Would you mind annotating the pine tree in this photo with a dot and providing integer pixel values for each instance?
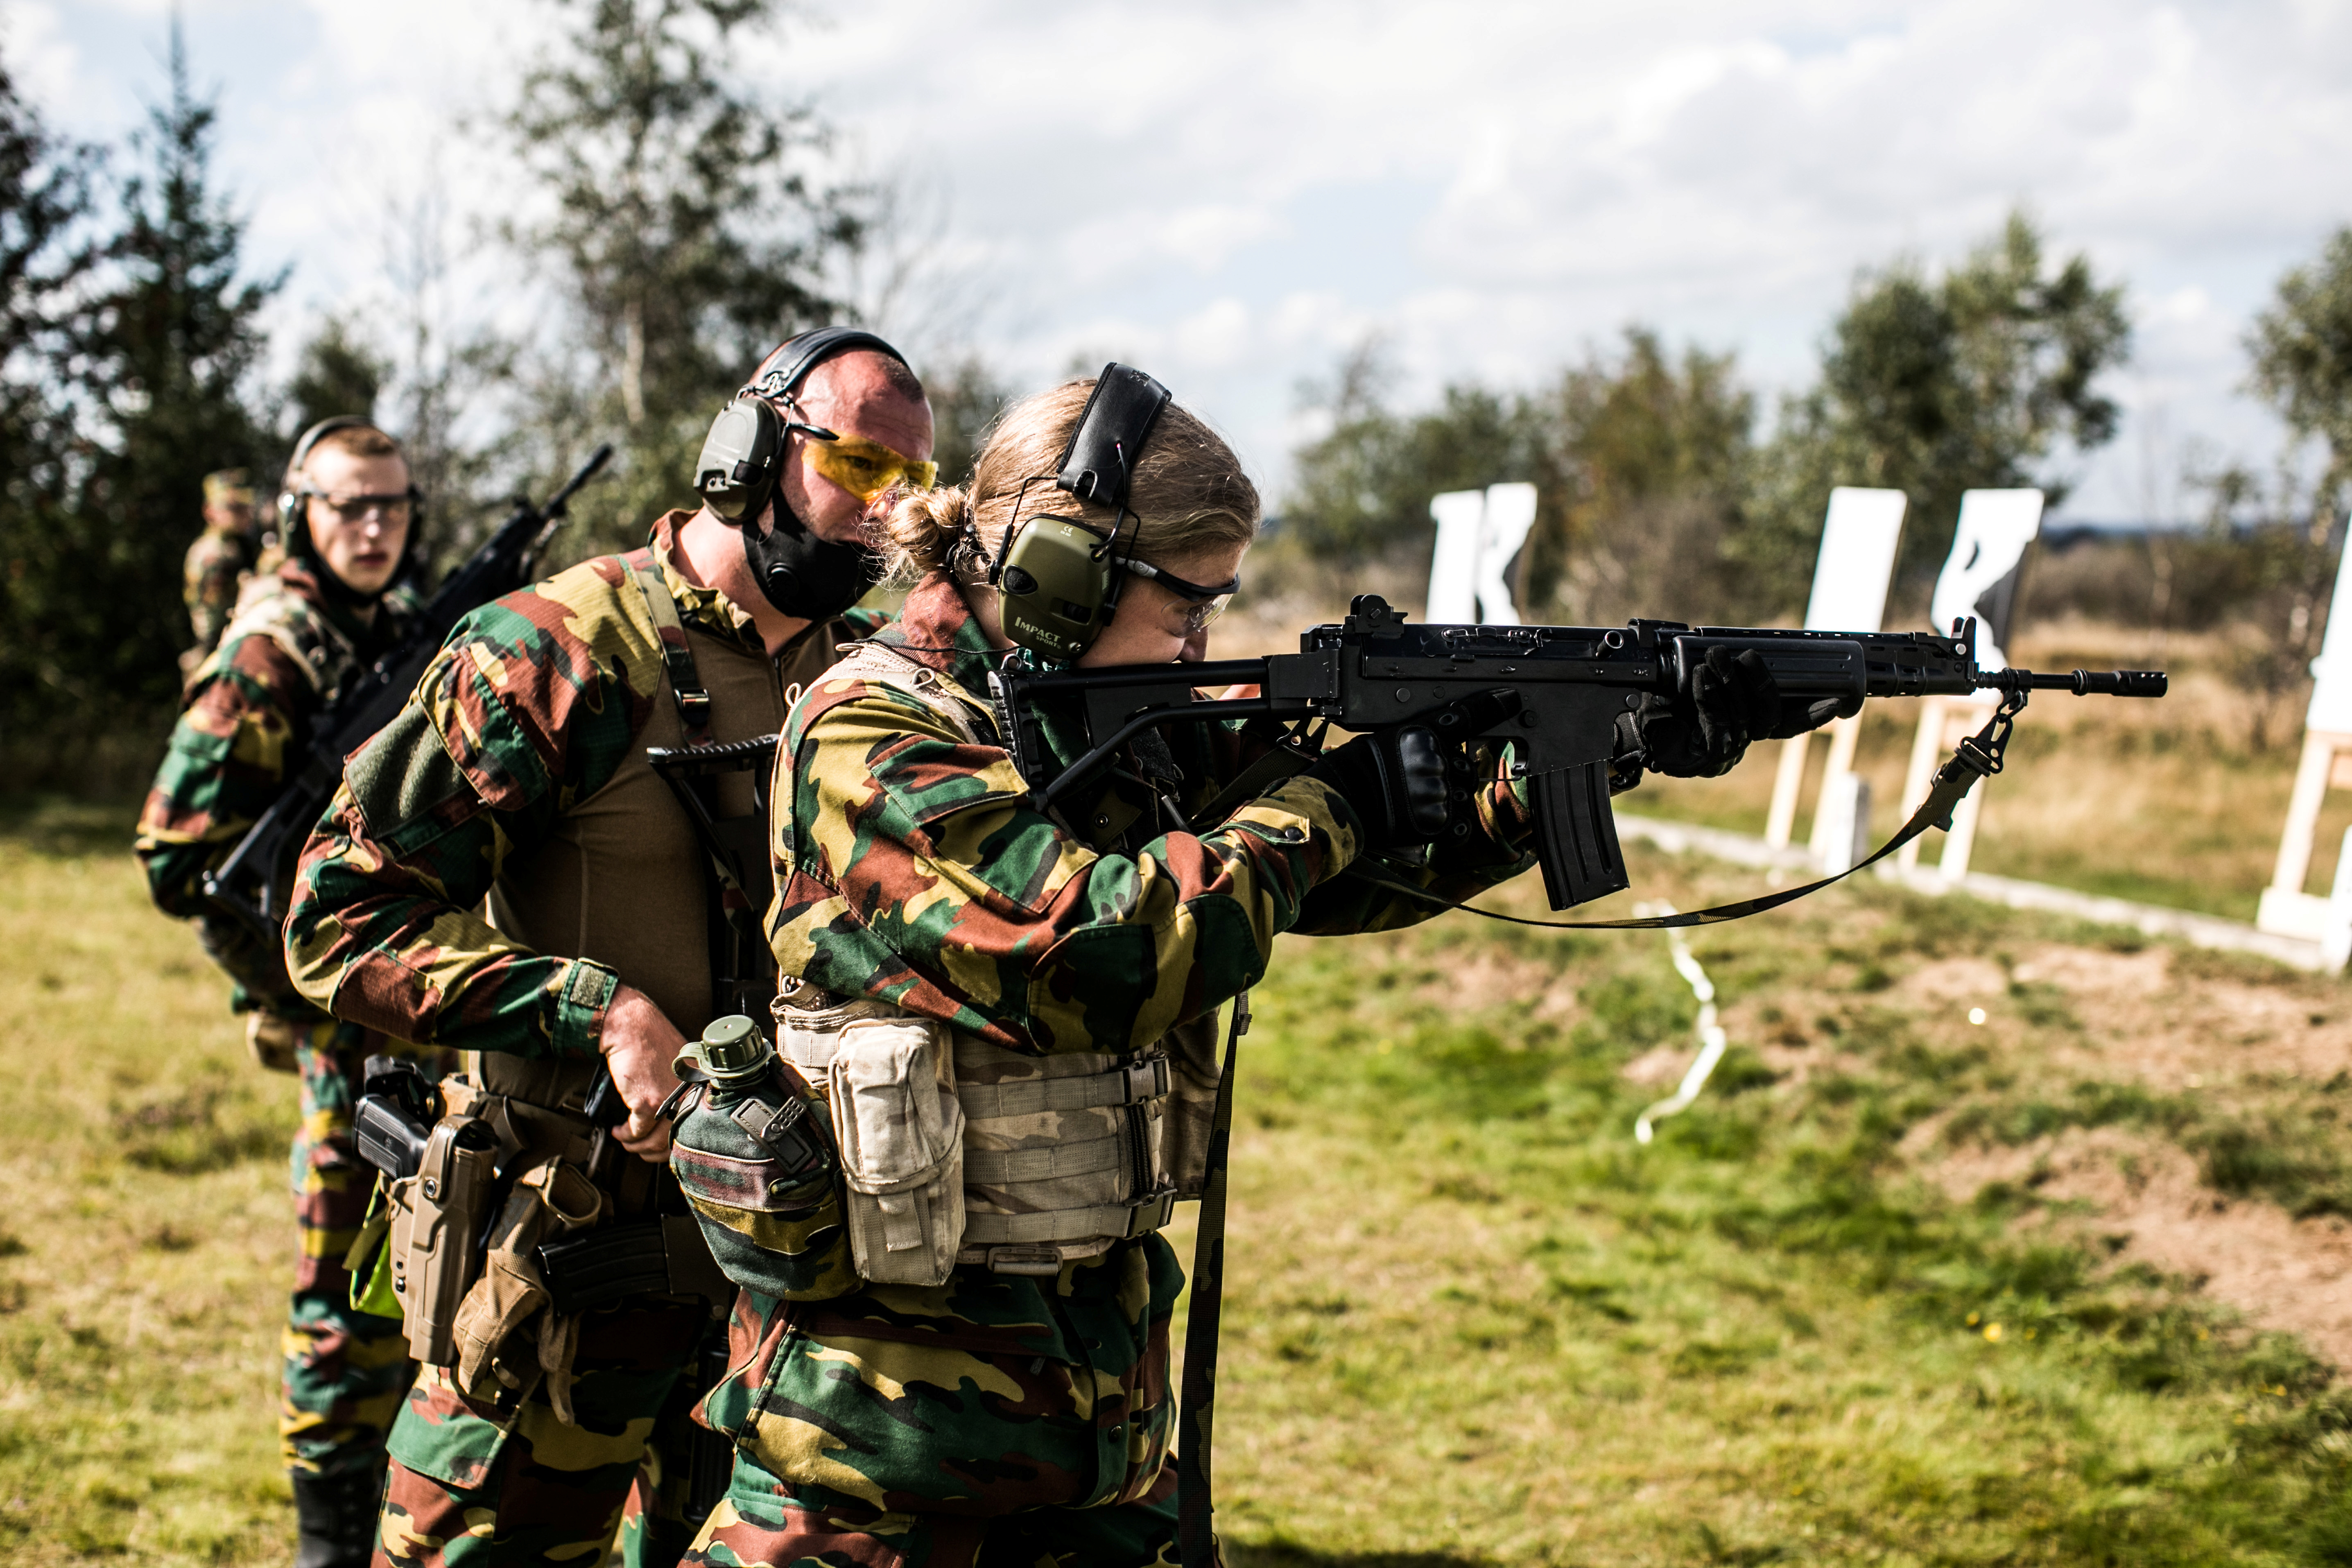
(165, 372)
(46, 257)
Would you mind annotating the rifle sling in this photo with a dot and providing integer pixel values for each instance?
(685, 688)
(734, 848)
(1969, 763)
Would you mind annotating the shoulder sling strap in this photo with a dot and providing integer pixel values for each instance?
(743, 975)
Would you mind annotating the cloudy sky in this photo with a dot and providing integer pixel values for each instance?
(1231, 193)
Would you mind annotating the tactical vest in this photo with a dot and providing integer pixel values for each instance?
(958, 1151)
(624, 880)
(269, 607)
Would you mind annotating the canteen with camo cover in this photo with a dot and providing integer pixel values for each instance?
(752, 1150)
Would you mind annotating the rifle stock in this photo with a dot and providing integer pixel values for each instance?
(1564, 688)
(248, 883)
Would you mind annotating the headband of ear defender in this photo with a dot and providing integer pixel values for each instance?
(293, 531)
(1057, 580)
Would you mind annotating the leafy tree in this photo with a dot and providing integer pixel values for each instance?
(1651, 459)
(2301, 349)
(173, 334)
(1937, 386)
(1363, 487)
(46, 255)
(339, 373)
(686, 225)
(1638, 464)
(965, 399)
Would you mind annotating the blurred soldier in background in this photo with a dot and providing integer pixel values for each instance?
(518, 773)
(300, 632)
(219, 562)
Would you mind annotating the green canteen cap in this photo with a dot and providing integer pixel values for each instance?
(731, 1046)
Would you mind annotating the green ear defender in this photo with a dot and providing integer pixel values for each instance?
(1057, 579)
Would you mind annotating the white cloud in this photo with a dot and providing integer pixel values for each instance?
(1243, 189)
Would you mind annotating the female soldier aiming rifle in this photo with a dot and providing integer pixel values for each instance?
(1013, 1014)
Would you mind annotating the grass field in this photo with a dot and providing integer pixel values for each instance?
(1901, 1288)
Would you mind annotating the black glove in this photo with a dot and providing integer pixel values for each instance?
(1703, 732)
(1801, 718)
(1395, 780)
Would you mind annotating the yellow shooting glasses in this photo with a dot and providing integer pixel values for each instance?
(864, 469)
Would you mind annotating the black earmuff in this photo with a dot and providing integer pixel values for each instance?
(802, 574)
(742, 457)
(1057, 580)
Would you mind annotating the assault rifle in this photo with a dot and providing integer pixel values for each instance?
(1554, 692)
(249, 883)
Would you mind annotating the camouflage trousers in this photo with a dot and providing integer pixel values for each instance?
(344, 1370)
(472, 1485)
(768, 1523)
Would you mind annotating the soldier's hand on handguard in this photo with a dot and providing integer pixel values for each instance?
(1395, 780)
(639, 1042)
(1704, 732)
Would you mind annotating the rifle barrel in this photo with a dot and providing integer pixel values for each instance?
(2081, 682)
(596, 460)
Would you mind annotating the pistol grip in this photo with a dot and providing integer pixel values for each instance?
(1576, 834)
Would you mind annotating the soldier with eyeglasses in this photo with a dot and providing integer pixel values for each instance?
(300, 632)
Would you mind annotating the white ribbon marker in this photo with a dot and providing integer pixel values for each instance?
(1710, 1033)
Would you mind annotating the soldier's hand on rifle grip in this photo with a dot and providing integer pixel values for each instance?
(1395, 780)
(639, 1042)
(1702, 733)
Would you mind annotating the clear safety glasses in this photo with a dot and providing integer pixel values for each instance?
(1191, 607)
(353, 511)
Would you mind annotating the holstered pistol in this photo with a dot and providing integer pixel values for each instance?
(437, 1215)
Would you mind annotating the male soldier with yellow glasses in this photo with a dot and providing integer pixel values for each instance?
(520, 772)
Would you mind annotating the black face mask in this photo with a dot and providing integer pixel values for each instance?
(806, 577)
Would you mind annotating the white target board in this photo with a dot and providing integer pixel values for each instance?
(1857, 560)
(1478, 532)
(1981, 574)
(2331, 672)
(1851, 575)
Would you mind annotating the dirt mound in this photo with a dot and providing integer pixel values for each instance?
(2282, 1273)
(2134, 1019)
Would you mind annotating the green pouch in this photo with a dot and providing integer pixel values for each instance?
(369, 1262)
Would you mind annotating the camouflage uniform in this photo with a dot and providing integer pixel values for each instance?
(249, 709)
(216, 567)
(1028, 1417)
(536, 704)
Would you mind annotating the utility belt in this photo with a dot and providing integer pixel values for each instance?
(501, 1221)
(944, 1149)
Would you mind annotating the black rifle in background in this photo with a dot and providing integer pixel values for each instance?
(250, 884)
(1555, 692)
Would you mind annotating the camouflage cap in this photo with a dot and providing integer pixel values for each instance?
(232, 487)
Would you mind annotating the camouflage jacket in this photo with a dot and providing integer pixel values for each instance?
(909, 868)
(531, 706)
(216, 564)
(912, 869)
(244, 727)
